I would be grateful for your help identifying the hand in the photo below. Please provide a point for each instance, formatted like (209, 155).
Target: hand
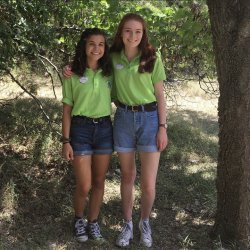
(67, 73)
(67, 152)
(161, 139)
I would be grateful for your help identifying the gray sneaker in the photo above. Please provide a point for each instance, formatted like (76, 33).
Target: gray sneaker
(94, 232)
(80, 230)
(146, 239)
(126, 234)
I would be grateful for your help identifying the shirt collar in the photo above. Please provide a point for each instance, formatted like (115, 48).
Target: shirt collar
(123, 57)
(90, 71)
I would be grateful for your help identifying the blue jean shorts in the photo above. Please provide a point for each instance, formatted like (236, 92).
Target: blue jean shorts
(135, 131)
(88, 137)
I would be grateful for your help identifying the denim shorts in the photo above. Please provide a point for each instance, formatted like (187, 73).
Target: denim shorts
(89, 138)
(135, 131)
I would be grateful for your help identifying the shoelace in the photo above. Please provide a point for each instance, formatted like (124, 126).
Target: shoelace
(146, 231)
(80, 227)
(125, 233)
(95, 230)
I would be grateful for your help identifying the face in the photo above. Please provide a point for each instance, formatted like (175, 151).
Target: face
(95, 47)
(132, 34)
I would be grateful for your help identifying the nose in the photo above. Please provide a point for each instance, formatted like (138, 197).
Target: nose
(132, 35)
(95, 47)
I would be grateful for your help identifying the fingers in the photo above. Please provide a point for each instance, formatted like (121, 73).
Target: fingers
(67, 153)
(67, 71)
(161, 143)
(161, 146)
(71, 156)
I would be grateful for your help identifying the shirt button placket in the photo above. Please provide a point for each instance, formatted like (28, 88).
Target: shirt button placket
(95, 82)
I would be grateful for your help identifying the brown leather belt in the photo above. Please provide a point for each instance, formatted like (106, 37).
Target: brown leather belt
(140, 108)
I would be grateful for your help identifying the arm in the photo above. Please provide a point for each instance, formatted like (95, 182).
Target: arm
(67, 150)
(162, 138)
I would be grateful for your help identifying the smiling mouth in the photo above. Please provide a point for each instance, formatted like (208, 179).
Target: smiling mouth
(132, 41)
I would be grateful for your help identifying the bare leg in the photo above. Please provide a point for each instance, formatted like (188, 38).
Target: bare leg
(82, 170)
(149, 168)
(128, 174)
(100, 164)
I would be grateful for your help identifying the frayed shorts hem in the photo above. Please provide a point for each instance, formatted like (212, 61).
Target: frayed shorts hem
(138, 148)
(95, 152)
(82, 153)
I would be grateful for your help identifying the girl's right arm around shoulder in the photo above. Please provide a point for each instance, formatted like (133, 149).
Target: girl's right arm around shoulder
(67, 73)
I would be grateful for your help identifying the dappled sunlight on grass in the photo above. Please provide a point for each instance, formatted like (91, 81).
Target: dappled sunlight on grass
(37, 185)
(186, 179)
(112, 190)
(204, 169)
(193, 139)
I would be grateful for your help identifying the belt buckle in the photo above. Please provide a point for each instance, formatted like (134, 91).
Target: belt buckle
(95, 120)
(134, 108)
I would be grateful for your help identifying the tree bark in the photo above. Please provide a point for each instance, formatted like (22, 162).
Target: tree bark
(230, 24)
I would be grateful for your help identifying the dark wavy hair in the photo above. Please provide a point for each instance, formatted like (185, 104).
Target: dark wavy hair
(148, 52)
(79, 63)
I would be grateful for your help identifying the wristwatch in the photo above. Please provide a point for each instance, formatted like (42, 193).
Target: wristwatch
(164, 125)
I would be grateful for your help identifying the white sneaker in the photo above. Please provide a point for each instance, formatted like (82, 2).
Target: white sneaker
(146, 238)
(126, 234)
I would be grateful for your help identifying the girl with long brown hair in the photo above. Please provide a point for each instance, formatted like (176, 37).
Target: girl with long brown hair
(140, 119)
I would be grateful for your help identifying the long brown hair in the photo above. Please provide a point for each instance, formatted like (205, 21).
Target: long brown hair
(79, 63)
(148, 52)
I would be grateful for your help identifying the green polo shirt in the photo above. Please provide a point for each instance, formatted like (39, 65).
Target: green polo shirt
(88, 95)
(132, 87)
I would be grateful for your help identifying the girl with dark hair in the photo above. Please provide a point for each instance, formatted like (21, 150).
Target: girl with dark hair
(87, 128)
(140, 119)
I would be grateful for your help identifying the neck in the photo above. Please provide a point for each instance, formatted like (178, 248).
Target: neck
(131, 53)
(92, 65)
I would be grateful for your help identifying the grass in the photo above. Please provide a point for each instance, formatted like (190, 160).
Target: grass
(36, 184)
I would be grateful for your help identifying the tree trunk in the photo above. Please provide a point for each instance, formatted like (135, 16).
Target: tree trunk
(230, 23)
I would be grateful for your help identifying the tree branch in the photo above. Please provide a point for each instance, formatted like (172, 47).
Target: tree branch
(35, 98)
(53, 65)
(51, 77)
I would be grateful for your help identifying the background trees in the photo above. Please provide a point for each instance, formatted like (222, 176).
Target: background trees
(43, 33)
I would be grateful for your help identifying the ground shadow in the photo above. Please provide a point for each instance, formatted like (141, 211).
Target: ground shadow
(41, 214)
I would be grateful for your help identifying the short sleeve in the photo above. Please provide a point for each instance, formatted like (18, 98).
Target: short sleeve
(158, 73)
(67, 92)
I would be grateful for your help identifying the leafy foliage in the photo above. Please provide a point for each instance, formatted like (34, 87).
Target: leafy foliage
(31, 29)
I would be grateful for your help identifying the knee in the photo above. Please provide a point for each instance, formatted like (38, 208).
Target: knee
(128, 178)
(98, 183)
(148, 190)
(83, 190)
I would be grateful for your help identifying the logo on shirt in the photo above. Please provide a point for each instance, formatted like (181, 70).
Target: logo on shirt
(83, 79)
(119, 66)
